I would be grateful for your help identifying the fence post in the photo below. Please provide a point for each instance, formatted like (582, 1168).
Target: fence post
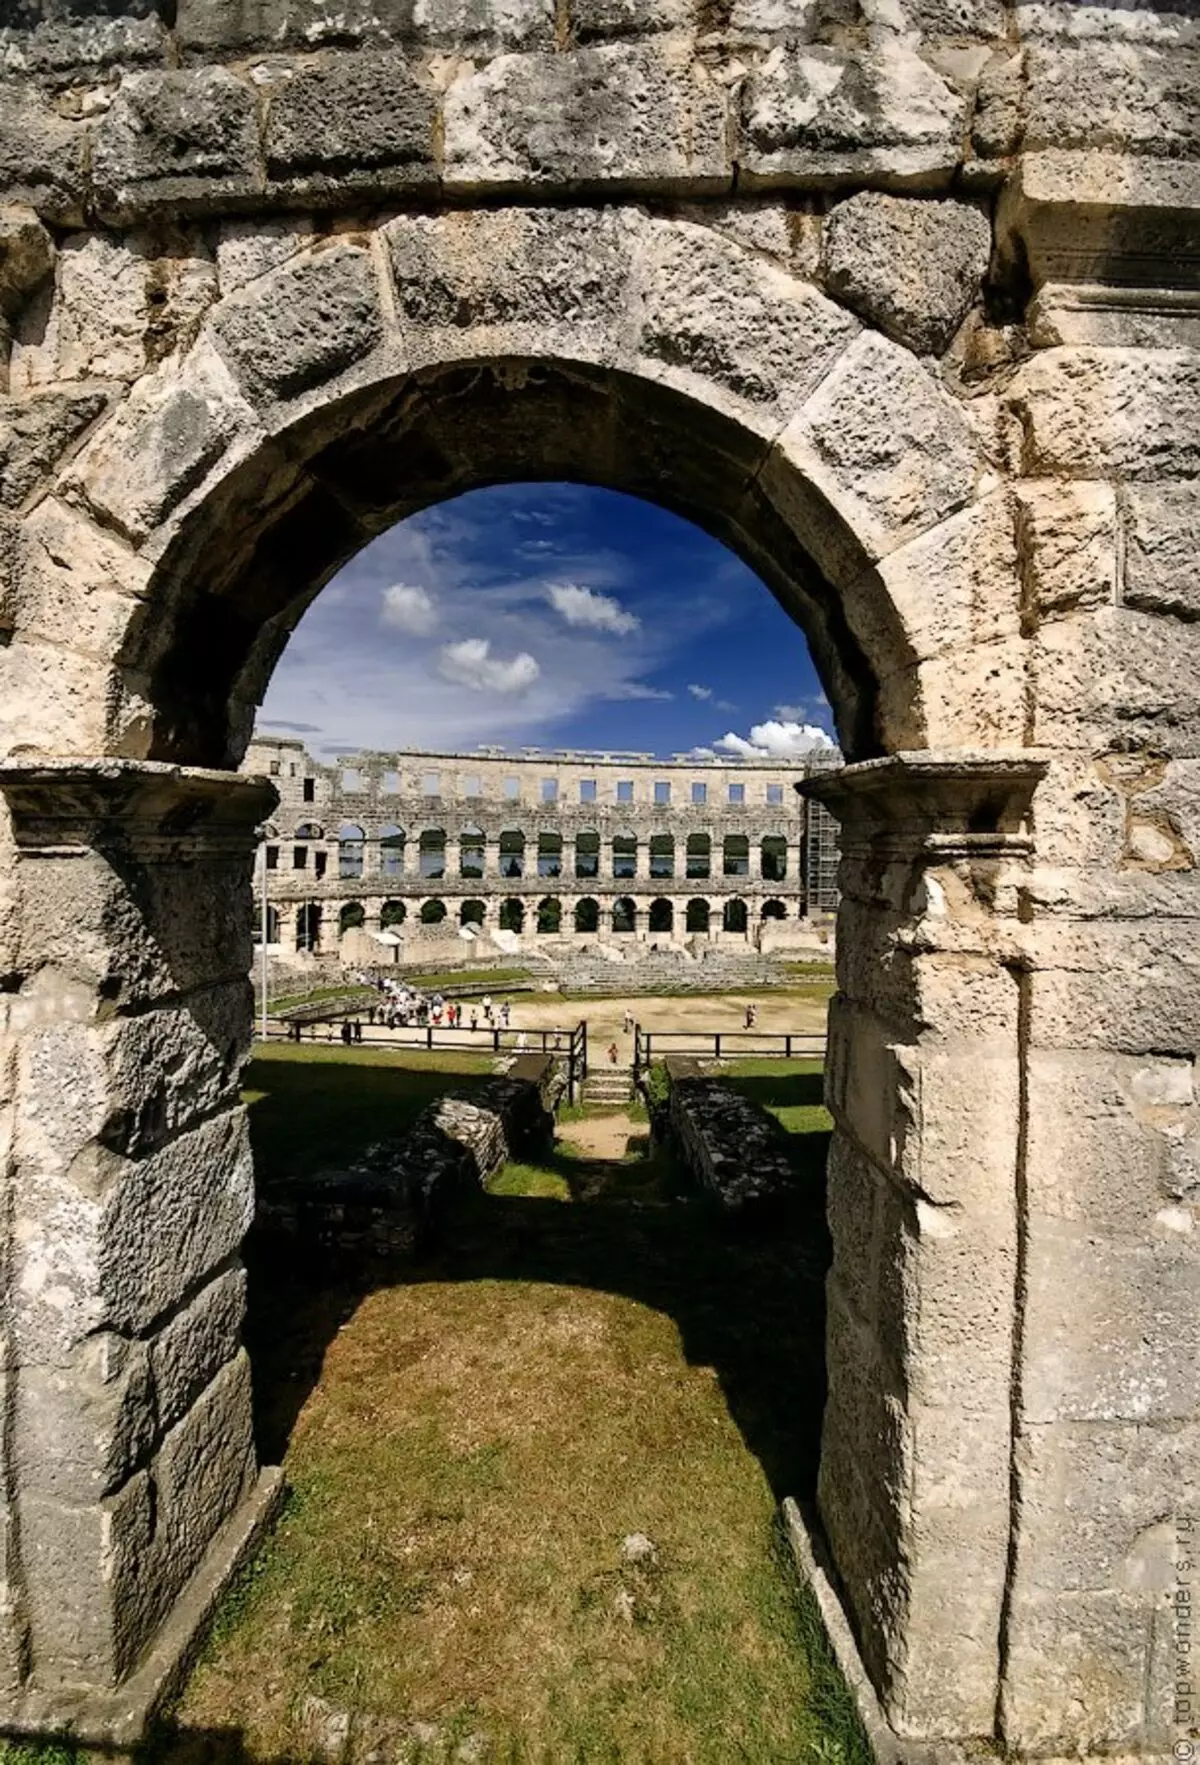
(429, 1038)
(787, 1047)
(717, 1045)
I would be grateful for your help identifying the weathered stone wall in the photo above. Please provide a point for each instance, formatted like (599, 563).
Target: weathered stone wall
(899, 298)
(731, 1147)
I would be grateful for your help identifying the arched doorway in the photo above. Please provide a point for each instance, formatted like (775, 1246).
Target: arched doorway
(662, 916)
(734, 916)
(839, 467)
(352, 917)
(432, 912)
(512, 915)
(391, 914)
(472, 913)
(624, 916)
(587, 915)
(549, 917)
(698, 915)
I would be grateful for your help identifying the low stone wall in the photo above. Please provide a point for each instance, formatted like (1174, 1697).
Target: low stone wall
(735, 1150)
(389, 1199)
(672, 969)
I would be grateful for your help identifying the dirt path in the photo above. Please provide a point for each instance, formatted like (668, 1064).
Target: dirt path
(603, 1136)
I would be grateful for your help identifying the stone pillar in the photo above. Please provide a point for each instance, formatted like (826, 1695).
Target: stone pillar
(491, 858)
(131, 1188)
(453, 859)
(925, 1078)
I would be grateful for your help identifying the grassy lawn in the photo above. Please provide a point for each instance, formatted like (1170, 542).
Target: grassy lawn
(448, 979)
(793, 1091)
(313, 1105)
(534, 1478)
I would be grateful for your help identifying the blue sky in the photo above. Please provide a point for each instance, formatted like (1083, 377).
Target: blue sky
(549, 614)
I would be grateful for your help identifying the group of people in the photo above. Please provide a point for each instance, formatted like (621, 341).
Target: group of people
(403, 1006)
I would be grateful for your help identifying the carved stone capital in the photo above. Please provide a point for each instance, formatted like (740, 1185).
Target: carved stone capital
(144, 809)
(936, 806)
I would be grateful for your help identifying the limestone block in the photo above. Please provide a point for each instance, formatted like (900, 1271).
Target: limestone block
(718, 322)
(1079, 815)
(1092, 1499)
(1131, 413)
(26, 256)
(956, 585)
(1104, 21)
(1141, 100)
(247, 249)
(858, 1198)
(119, 304)
(86, 1569)
(956, 18)
(1076, 1675)
(162, 443)
(203, 1469)
(637, 116)
(211, 28)
(185, 141)
(792, 235)
(302, 324)
(825, 113)
(353, 123)
(1112, 1325)
(911, 268)
(1127, 986)
(998, 115)
(546, 282)
(42, 155)
(36, 432)
(975, 697)
(1114, 677)
(1068, 539)
(1104, 1137)
(884, 447)
(88, 1233)
(81, 1430)
(594, 21)
(52, 702)
(196, 1343)
(475, 25)
(72, 584)
(1161, 523)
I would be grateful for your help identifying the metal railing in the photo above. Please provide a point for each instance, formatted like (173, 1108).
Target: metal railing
(569, 1044)
(649, 1045)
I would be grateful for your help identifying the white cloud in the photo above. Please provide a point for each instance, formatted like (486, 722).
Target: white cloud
(777, 740)
(406, 606)
(471, 664)
(636, 689)
(790, 713)
(588, 607)
(701, 692)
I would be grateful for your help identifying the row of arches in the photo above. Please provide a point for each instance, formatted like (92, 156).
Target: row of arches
(546, 851)
(586, 917)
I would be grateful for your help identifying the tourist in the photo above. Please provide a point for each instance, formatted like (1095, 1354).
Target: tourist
(505, 1013)
(487, 1008)
(474, 1018)
(627, 1021)
(358, 1029)
(347, 1032)
(612, 1052)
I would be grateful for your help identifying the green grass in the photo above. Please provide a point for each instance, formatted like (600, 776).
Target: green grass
(448, 979)
(39, 1753)
(588, 1354)
(792, 1090)
(318, 996)
(314, 1105)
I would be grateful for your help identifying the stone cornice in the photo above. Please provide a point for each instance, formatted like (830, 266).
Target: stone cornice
(941, 806)
(142, 807)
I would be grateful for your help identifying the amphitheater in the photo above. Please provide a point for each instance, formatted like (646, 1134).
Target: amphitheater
(899, 298)
(425, 857)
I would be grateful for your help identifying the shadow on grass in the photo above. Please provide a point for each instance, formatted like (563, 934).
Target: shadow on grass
(746, 1292)
(785, 1090)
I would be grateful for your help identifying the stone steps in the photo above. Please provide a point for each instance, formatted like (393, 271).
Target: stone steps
(608, 1084)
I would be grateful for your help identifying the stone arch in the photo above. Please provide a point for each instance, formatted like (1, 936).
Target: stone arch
(549, 853)
(309, 830)
(512, 852)
(432, 912)
(392, 841)
(431, 853)
(308, 926)
(774, 909)
(352, 917)
(735, 855)
(698, 915)
(511, 917)
(734, 916)
(773, 857)
(662, 916)
(472, 855)
(392, 913)
(662, 856)
(472, 912)
(351, 851)
(624, 915)
(268, 446)
(587, 915)
(549, 916)
(587, 854)
(698, 858)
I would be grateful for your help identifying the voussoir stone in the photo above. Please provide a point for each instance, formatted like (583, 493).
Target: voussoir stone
(912, 268)
(306, 322)
(35, 433)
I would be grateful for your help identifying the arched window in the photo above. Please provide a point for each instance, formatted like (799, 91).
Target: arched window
(624, 915)
(512, 852)
(587, 855)
(549, 917)
(391, 851)
(392, 913)
(624, 854)
(587, 915)
(549, 854)
(662, 855)
(512, 916)
(662, 916)
(737, 855)
(774, 858)
(352, 917)
(309, 830)
(308, 926)
(698, 862)
(471, 913)
(433, 912)
(351, 845)
(697, 916)
(734, 917)
(774, 910)
(432, 856)
(472, 850)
